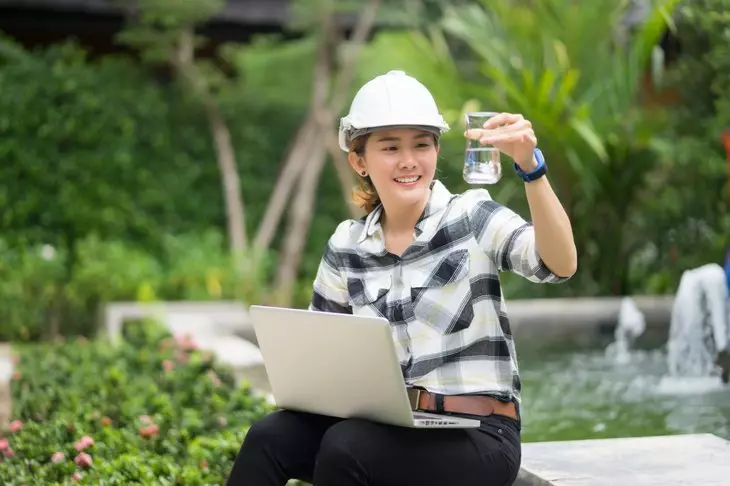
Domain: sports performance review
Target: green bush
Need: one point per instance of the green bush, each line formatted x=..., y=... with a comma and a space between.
x=685, y=220
x=99, y=148
x=30, y=280
x=37, y=288
x=152, y=410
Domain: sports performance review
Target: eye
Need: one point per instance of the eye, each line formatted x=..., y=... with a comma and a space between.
x=390, y=149
x=423, y=145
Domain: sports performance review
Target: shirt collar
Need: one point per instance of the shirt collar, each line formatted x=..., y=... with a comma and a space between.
x=437, y=202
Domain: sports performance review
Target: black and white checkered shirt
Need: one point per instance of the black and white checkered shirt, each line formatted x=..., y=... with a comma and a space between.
x=442, y=296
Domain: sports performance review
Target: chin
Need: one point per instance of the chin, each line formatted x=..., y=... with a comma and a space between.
x=413, y=194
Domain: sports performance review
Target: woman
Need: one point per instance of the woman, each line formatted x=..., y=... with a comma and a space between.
x=428, y=261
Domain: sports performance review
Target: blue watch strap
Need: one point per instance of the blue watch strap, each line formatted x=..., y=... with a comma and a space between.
x=535, y=173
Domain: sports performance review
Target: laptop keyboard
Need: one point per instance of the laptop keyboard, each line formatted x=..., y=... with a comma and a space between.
x=431, y=417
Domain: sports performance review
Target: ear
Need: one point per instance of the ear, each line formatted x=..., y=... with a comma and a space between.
x=356, y=162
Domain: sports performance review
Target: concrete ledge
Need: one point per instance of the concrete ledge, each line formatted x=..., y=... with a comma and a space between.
x=585, y=321
x=227, y=317
x=6, y=374
x=702, y=459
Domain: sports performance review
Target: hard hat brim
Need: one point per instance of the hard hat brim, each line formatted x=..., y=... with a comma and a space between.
x=354, y=133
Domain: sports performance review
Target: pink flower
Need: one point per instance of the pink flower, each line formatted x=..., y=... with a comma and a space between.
x=15, y=426
x=149, y=431
x=9, y=452
x=186, y=343
x=213, y=377
x=77, y=476
x=83, y=460
x=4, y=444
x=83, y=443
x=168, y=365
x=57, y=457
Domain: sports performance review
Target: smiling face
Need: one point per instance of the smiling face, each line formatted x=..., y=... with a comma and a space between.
x=401, y=164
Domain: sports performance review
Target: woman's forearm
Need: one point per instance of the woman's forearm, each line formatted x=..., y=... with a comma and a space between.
x=553, y=232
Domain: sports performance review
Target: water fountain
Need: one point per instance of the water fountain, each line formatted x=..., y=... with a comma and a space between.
x=698, y=348
x=700, y=325
x=625, y=391
x=631, y=325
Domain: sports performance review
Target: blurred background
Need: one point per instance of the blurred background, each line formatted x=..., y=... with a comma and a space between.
x=184, y=151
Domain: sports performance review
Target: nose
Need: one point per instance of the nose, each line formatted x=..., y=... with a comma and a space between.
x=408, y=162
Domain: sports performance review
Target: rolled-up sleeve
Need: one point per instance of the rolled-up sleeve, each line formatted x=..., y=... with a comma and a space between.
x=329, y=292
x=508, y=239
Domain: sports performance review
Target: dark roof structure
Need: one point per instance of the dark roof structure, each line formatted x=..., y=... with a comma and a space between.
x=95, y=22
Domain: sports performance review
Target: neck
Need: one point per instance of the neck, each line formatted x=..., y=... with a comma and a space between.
x=401, y=219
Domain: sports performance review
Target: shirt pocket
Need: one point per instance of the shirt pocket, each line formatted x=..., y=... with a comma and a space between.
x=368, y=296
x=441, y=293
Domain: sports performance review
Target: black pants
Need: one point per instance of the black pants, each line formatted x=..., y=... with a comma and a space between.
x=326, y=451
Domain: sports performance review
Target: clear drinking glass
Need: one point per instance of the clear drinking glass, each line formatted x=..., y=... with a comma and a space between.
x=482, y=164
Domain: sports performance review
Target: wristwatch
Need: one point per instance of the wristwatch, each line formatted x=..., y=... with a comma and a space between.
x=535, y=173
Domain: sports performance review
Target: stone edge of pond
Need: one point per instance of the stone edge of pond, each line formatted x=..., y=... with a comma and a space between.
x=6, y=373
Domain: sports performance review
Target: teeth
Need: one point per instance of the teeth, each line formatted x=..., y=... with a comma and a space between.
x=407, y=179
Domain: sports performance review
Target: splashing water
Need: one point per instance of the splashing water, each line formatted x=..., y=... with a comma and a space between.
x=698, y=349
x=698, y=335
x=631, y=325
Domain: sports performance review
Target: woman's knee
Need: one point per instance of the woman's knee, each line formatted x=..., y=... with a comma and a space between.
x=349, y=440
x=284, y=430
x=274, y=430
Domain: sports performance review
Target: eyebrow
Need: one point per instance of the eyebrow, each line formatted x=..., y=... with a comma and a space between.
x=397, y=139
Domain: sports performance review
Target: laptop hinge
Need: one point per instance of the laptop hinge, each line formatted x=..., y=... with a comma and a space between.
x=414, y=397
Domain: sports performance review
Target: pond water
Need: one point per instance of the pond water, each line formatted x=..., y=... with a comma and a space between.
x=587, y=395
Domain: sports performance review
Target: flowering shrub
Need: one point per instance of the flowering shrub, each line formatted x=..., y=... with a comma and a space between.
x=149, y=411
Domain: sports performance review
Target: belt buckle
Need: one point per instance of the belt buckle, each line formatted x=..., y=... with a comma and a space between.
x=414, y=396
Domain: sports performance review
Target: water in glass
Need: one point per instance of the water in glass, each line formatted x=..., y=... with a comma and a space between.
x=482, y=163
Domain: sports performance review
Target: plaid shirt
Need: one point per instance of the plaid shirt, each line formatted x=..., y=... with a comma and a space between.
x=442, y=297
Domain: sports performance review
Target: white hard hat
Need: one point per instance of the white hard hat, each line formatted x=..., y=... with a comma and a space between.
x=394, y=99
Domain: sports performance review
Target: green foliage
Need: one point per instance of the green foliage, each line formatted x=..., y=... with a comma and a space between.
x=88, y=147
x=30, y=279
x=115, y=171
x=160, y=22
x=35, y=288
x=158, y=411
x=114, y=158
x=685, y=204
x=578, y=82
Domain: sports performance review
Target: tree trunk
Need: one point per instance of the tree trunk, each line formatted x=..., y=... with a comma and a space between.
x=300, y=218
x=235, y=215
x=293, y=167
x=345, y=176
x=303, y=205
x=226, y=158
x=304, y=142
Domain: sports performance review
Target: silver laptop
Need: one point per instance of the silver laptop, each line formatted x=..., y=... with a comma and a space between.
x=339, y=365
